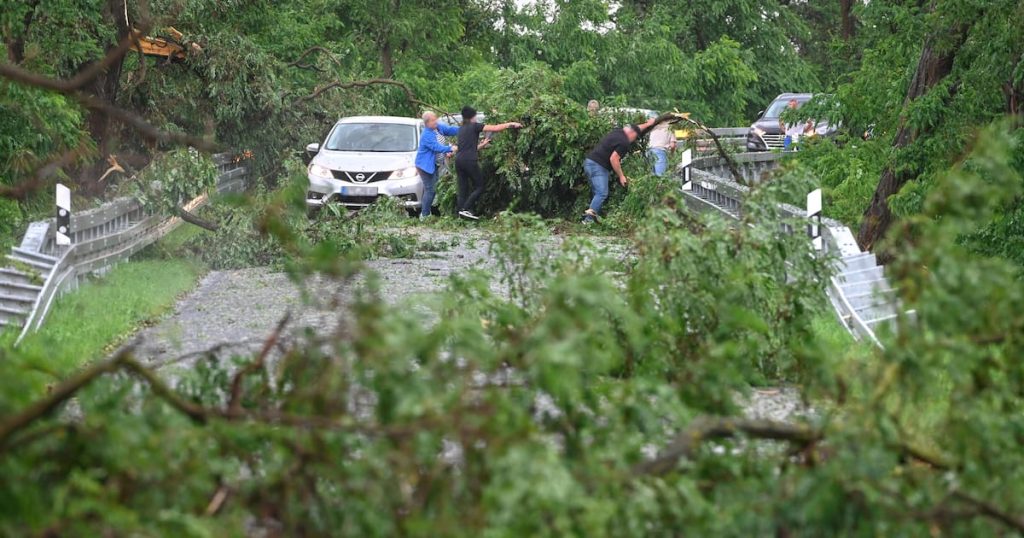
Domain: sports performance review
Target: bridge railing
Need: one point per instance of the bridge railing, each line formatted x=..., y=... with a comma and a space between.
x=859, y=291
x=40, y=270
x=732, y=138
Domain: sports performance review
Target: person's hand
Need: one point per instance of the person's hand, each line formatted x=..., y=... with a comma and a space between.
x=455, y=148
x=515, y=125
x=623, y=180
x=484, y=143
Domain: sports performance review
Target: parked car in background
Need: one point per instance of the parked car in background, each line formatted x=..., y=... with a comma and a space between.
x=768, y=133
x=364, y=158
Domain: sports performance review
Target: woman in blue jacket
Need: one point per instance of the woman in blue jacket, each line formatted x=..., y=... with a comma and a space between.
x=426, y=157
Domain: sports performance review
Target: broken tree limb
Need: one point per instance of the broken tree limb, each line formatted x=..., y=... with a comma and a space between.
x=736, y=176
x=235, y=403
x=192, y=218
x=686, y=443
x=60, y=393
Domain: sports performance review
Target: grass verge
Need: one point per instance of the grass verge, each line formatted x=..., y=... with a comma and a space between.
x=86, y=324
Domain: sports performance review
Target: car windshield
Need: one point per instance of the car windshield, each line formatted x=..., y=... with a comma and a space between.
x=776, y=108
x=372, y=137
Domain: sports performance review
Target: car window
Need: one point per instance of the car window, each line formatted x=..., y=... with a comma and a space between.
x=779, y=105
x=372, y=137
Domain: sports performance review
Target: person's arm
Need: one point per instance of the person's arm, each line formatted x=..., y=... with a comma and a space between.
x=617, y=166
x=429, y=140
x=483, y=143
x=447, y=130
x=502, y=126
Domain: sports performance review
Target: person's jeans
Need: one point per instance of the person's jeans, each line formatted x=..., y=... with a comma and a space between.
x=429, y=189
x=471, y=184
x=599, y=177
x=660, y=158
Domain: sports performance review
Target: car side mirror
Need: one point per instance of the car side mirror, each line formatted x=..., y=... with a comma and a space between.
x=313, y=149
x=760, y=113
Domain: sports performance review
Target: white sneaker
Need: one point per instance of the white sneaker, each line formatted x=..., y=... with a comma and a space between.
x=468, y=215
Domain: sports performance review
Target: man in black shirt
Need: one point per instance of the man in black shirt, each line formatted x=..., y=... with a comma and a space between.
x=605, y=158
x=467, y=164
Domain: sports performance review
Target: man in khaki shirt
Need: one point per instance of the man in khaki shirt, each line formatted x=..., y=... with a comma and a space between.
x=661, y=142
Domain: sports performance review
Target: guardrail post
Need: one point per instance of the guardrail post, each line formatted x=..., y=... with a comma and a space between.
x=63, y=232
x=814, y=214
x=687, y=160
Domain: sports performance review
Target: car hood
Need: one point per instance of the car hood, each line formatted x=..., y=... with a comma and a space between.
x=769, y=126
x=365, y=161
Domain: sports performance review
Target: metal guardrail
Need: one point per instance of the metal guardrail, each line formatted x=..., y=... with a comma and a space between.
x=860, y=294
x=734, y=138
x=39, y=270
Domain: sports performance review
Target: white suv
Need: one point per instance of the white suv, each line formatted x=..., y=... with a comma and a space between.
x=365, y=157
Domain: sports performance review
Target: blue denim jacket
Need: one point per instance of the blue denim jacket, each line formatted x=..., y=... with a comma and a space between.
x=429, y=147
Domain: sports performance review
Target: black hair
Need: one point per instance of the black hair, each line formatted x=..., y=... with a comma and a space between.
x=468, y=113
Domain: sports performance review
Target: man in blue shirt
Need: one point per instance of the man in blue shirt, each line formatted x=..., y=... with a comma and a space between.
x=426, y=157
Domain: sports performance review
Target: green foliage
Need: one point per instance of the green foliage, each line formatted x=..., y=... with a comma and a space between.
x=174, y=179
x=983, y=76
x=503, y=415
x=237, y=242
x=645, y=194
x=539, y=167
x=848, y=170
x=525, y=402
x=10, y=221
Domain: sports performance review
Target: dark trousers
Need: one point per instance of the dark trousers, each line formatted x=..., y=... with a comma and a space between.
x=470, y=184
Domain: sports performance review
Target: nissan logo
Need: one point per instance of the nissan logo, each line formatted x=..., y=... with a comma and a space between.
x=360, y=177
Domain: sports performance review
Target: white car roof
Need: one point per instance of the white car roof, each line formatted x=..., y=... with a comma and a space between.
x=381, y=119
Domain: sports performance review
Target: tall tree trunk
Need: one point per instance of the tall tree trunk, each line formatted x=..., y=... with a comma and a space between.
x=845, y=7
x=387, y=61
x=935, y=63
x=104, y=87
x=16, y=44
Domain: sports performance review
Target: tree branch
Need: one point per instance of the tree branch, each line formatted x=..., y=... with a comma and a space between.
x=987, y=509
x=192, y=218
x=685, y=445
x=316, y=48
x=235, y=403
x=61, y=393
x=83, y=77
x=736, y=176
x=409, y=95
x=23, y=189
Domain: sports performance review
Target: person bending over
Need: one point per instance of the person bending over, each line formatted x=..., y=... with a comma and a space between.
x=605, y=158
x=470, y=184
x=426, y=157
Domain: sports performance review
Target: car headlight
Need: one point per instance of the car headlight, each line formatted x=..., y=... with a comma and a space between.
x=404, y=173
x=320, y=171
